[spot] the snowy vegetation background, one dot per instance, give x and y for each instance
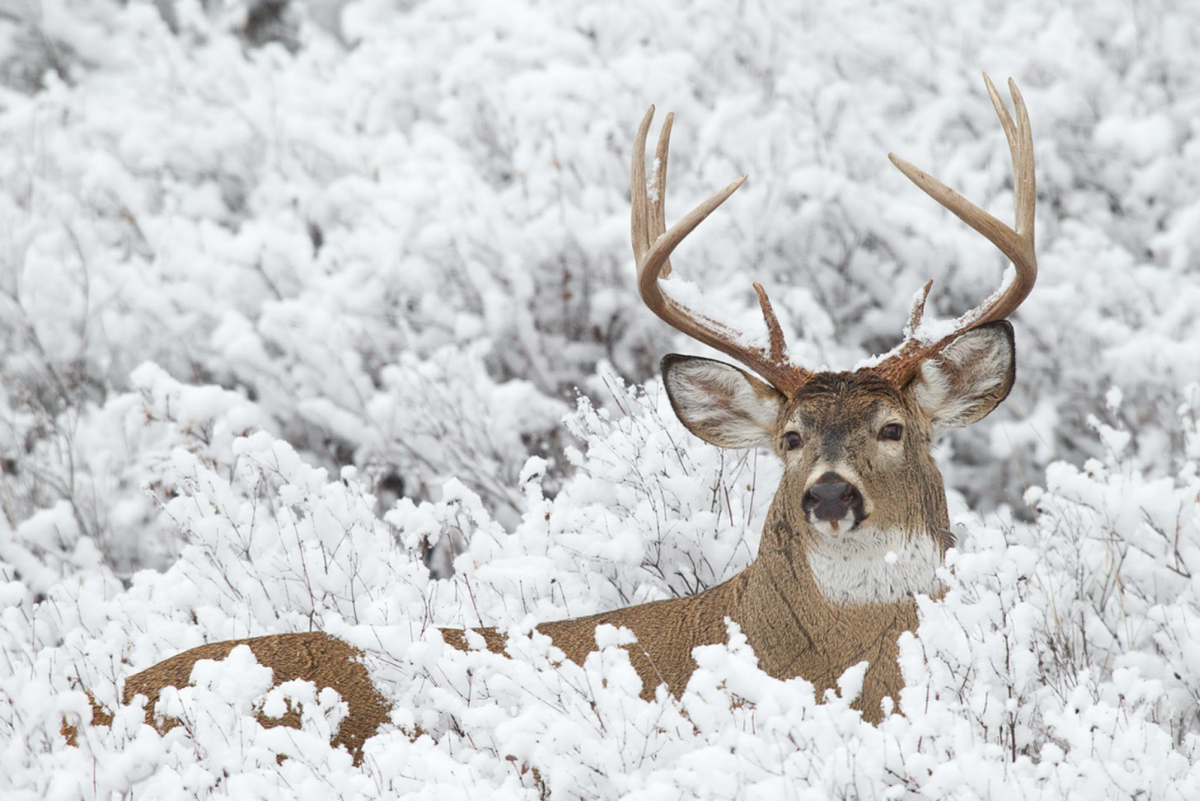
(323, 316)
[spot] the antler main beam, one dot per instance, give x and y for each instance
(1017, 245)
(653, 244)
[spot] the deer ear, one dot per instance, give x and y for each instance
(962, 384)
(720, 403)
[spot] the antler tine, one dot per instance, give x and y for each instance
(653, 244)
(1017, 245)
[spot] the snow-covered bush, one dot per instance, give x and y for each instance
(1060, 661)
(296, 225)
(285, 318)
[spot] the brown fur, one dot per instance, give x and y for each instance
(312, 656)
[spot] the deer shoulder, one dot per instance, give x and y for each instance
(858, 526)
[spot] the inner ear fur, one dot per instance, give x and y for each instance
(721, 404)
(968, 379)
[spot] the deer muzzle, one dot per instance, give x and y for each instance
(834, 501)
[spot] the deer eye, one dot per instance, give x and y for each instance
(792, 441)
(892, 431)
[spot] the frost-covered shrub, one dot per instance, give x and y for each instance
(1068, 646)
(1059, 662)
(451, 179)
(247, 290)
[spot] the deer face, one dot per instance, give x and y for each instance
(859, 476)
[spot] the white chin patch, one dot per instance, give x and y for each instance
(866, 566)
(835, 529)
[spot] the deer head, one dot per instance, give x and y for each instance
(859, 481)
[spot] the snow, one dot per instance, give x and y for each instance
(748, 334)
(652, 181)
(288, 319)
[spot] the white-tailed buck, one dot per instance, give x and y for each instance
(859, 522)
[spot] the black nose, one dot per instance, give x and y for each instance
(831, 498)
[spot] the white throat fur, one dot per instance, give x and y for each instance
(866, 566)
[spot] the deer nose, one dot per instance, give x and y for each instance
(831, 498)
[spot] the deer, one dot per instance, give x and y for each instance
(858, 527)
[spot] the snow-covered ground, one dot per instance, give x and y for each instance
(288, 310)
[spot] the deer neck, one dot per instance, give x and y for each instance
(805, 587)
(799, 625)
(866, 565)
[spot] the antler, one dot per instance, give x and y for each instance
(902, 365)
(652, 247)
